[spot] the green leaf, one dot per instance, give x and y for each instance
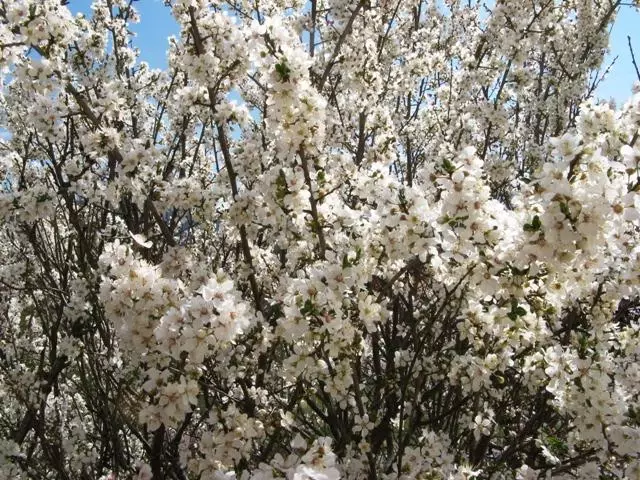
(535, 223)
(519, 272)
(516, 310)
(564, 208)
(283, 71)
(448, 166)
(534, 226)
(281, 186)
(557, 446)
(308, 308)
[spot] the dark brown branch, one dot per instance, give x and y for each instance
(633, 58)
(226, 155)
(317, 226)
(338, 47)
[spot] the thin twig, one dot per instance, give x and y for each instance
(338, 46)
(633, 58)
(226, 155)
(314, 207)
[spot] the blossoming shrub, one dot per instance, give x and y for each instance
(357, 239)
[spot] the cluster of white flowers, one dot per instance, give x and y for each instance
(317, 463)
(170, 330)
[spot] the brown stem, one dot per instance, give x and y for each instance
(317, 226)
(341, 40)
(231, 173)
(633, 58)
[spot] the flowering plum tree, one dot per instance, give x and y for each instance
(362, 239)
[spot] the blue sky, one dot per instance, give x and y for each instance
(157, 25)
(620, 80)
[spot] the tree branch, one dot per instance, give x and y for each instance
(633, 58)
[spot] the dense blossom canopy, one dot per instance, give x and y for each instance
(361, 239)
